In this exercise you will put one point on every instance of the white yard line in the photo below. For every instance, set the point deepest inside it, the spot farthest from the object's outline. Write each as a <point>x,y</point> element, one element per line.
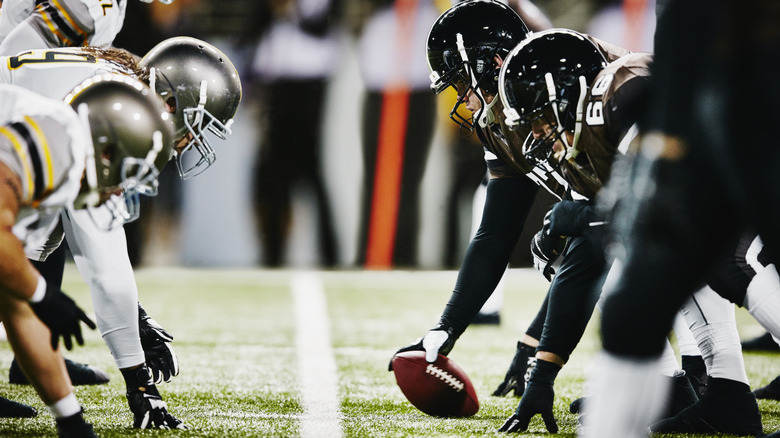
<point>316,364</point>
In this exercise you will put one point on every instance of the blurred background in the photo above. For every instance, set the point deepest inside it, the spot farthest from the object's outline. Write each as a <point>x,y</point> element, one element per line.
<point>340,157</point>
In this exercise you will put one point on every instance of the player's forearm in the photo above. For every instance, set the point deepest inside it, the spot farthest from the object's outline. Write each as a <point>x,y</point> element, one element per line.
<point>18,277</point>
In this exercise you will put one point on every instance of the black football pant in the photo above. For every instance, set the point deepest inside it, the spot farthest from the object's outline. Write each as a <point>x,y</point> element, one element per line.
<point>572,296</point>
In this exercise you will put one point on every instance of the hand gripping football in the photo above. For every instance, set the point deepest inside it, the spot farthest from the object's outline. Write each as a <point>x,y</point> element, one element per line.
<point>440,389</point>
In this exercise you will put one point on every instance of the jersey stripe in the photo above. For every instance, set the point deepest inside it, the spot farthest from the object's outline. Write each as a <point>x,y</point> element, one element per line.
<point>35,159</point>
<point>62,24</point>
<point>20,150</point>
<point>43,143</point>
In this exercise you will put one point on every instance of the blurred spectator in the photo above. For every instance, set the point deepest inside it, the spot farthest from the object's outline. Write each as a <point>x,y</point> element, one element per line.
<point>397,128</point>
<point>293,63</point>
<point>627,23</point>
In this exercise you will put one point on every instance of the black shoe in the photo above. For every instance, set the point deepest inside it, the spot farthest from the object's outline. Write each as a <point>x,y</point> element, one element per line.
<point>681,396</point>
<point>770,391</point>
<point>74,427</point>
<point>764,342</point>
<point>80,374</point>
<point>12,409</point>
<point>727,406</point>
<point>487,319</point>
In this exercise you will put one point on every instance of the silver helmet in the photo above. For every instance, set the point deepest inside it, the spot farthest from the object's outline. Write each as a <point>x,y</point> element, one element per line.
<point>202,89</point>
<point>131,133</point>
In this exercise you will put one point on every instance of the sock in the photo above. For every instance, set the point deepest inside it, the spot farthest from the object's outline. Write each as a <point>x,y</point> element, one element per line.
<point>762,300</point>
<point>625,397</point>
<point>65,407</point>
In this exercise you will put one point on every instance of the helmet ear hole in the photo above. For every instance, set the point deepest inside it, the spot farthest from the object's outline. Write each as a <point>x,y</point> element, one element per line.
<point>170,102</point>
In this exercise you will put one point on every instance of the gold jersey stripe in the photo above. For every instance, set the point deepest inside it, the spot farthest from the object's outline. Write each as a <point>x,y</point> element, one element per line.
<point>28,176</point>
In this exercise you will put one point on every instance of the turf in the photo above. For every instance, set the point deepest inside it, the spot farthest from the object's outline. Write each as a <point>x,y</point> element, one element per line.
<point>235,338</point>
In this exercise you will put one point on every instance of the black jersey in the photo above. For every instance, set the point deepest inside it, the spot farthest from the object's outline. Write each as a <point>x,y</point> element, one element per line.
<point>612,105</point>
<point>503,146</point>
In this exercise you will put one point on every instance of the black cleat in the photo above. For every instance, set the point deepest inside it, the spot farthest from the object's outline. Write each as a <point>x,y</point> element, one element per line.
<point>74,427</point>
<point>727,406</point>
<point>681,396</point>
<point>764,342</point>
<point>770,391</point>
<point>80,374</point>
<point>13,409</point>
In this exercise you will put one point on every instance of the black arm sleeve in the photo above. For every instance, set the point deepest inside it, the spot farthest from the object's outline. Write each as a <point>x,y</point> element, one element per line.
<point>507,205</point>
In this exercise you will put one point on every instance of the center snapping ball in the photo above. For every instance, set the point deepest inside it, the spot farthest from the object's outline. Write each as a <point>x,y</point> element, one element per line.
<point>440,389</point>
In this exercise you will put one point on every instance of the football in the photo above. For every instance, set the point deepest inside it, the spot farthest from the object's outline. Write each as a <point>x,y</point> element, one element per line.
<point>440,389</point>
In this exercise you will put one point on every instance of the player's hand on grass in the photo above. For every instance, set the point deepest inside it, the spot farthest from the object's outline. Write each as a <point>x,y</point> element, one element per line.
<point>150,411</point>
<point>537,399</point>
<point>156,342</point>
<point>518,373</point>
<point>61,314</point>
<point>438,340</point>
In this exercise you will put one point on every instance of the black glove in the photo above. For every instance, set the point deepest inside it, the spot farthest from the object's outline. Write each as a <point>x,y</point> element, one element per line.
<point>546,248</point>
<point>63,317</point>
<point>148,408</point>
<point>572,218</point>
<point>519,371</point>
<point>156,342</point>
<point>438,340</point>
<point>537,399</point>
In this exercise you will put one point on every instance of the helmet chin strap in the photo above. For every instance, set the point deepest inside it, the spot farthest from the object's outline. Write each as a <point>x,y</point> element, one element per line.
<point>571,152</point>
<point>484,116</point>
<point>92,197</point>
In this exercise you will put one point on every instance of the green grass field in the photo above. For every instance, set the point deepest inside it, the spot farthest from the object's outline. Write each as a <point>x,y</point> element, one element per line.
<point>236,341</point>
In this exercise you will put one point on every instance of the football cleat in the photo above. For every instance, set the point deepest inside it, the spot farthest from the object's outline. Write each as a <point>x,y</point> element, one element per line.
<point>770,391</point>
<point>727,406</point>
<point>80,374</point>
<point>13,409</point>
<point>74,427</point>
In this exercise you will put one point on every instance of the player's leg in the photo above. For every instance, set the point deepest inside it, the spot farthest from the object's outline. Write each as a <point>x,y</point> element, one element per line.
<point>727,405</point>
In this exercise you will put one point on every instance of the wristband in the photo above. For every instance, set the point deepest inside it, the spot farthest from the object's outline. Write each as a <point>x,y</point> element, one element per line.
<point>40,291</point>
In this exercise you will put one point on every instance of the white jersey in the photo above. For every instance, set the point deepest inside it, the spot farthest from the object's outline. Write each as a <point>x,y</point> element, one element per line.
<point>54,72</point>
<point>44,142</point>
<point>60,23</point>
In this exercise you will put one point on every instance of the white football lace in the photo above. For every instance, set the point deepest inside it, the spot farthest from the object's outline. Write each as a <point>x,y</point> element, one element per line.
<point>446,377</point>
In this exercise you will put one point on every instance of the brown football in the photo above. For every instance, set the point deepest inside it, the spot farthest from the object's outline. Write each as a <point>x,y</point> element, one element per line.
<point>440,389</point>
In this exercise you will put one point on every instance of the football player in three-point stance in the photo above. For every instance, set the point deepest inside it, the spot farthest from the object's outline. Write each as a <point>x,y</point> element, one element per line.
<point>48,161</point>
<point>201,90</point>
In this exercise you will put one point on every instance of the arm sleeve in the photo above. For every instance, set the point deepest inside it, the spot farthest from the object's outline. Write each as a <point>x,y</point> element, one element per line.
<point>507,205</point>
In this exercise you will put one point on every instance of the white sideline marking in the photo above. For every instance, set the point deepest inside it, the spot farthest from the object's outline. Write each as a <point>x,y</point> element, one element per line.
<point>316,364</point>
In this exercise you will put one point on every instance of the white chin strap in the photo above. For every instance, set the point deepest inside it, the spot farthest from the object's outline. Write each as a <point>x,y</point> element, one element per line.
<point>485,116</point>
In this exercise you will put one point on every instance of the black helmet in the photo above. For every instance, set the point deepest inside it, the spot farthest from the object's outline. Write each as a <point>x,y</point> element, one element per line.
<point>462,46</point>
<point>551,69</point>
<point>202,85</point>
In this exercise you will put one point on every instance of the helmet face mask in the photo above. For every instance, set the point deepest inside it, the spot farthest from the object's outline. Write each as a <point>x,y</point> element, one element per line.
<point>202,89</point>
<point>463,47</point>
